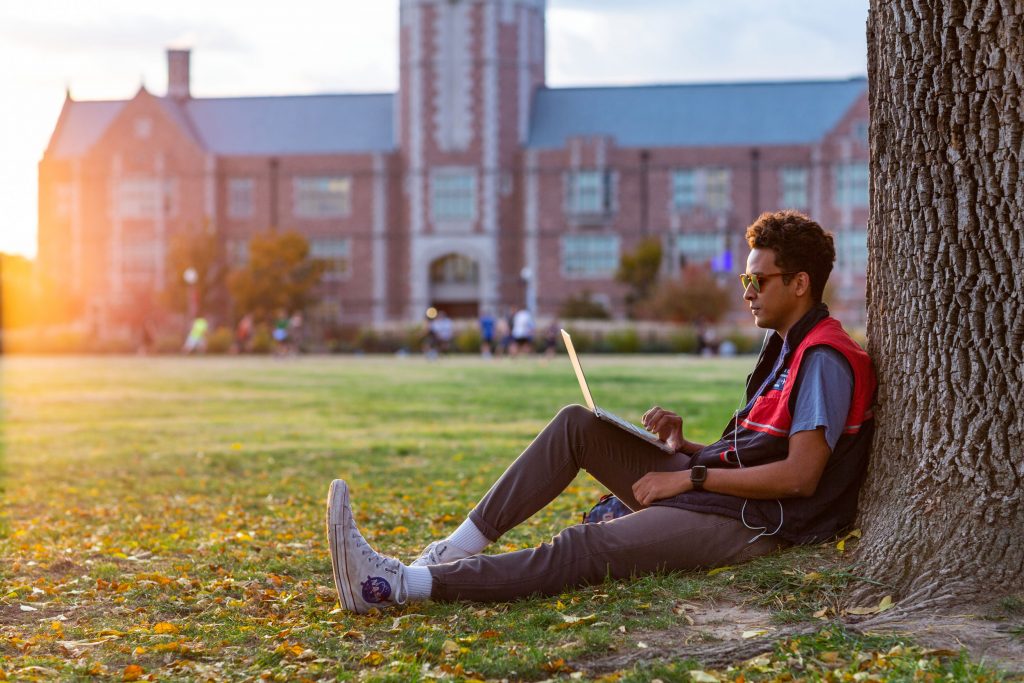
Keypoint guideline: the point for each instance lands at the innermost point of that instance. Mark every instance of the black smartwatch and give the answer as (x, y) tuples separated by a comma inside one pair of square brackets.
[(698, 475)]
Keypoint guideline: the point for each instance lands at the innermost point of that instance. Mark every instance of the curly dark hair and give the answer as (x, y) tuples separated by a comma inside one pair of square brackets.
[(800, 245)]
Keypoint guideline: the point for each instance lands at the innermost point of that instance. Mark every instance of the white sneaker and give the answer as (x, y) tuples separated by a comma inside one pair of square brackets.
[(363, 577), (439, 552)]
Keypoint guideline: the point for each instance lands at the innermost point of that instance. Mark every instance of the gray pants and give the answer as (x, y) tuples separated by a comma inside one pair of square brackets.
[(652, 539)]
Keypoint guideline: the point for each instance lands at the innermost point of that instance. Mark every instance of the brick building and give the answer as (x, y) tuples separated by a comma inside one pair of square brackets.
[(475, 186)]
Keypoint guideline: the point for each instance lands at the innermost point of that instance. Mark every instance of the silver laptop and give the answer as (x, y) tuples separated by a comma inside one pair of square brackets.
[(612, 418)]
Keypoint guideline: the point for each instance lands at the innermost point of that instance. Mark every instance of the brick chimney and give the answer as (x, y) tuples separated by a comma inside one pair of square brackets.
[(177, 73)]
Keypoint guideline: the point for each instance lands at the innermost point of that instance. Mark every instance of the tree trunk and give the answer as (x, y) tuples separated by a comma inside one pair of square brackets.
[(942, 510)]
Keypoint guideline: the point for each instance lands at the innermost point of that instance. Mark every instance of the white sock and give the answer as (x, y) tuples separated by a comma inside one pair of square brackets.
[(418, 583), (468, 538)]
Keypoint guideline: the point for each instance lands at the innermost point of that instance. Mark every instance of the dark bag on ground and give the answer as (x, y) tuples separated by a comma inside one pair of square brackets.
[(606, 509)]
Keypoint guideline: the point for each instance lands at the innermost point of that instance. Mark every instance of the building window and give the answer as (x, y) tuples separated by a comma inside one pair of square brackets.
[(143, 127), (700, 248), (793, 183), (240, 197), (322, 196), (62, 205), (453, 195), (590, 256), (851, 184), (238, 252), (454, 269), (588, 193), (852, 249), (860, 132), (144, 198), (334, 253), (139, 258), (707, 189)]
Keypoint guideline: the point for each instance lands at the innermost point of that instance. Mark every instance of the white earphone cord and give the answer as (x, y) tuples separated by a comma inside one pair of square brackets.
[(736, 450)]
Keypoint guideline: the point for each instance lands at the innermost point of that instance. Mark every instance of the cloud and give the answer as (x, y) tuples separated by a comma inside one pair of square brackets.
[(116, 34)]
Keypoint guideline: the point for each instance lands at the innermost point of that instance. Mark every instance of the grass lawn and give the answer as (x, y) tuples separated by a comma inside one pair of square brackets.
[(163, 519)]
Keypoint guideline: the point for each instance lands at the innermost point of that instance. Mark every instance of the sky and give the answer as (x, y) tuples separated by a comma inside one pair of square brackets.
[(106, 49)]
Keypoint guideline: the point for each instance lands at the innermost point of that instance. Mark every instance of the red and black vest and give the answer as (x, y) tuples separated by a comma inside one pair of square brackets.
[(759, 433)]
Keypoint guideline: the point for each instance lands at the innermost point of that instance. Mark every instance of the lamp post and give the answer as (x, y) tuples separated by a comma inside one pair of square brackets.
[(191, 277), (531, 289)]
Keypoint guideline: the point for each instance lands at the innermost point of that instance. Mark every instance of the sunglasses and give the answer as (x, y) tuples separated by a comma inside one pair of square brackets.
[(755, 279)]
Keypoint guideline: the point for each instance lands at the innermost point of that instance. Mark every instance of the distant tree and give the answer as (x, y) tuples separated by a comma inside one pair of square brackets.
[(204, 252), (583, 307), (19, 295), (638, 269), (280, 274), (695, 295)]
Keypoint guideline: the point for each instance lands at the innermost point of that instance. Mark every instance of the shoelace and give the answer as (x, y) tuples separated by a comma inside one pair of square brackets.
[(380, 561)]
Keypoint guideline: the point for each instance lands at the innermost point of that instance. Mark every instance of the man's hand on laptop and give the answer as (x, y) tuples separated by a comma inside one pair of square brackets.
[(669, 428)]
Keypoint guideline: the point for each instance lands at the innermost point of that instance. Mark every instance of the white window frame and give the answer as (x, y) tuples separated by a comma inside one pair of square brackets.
[(590, 257), (241, 198), (588, 192), (453, 195), (852, 249), (336, 254), (326, 196), (706, 188), (700, 247), (144, 197), (794, 187), (851, 183)]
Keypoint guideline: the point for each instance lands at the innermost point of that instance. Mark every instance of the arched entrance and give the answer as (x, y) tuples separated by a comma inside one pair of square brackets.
[(455, 286)]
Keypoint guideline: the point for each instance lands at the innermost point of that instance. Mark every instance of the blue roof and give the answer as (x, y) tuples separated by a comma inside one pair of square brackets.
[(694, 115), (305, 124), (82, 126)]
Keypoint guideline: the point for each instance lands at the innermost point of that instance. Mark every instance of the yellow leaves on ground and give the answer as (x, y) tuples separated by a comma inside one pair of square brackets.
[(698, 676), (372, 658), (165, 627), (132, 672), (886, 603), (569, 621), (719, 570), (841, 545)]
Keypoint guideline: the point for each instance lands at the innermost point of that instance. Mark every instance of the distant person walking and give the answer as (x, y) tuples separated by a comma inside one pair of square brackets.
[(196, 340), (444, 332), (243, 333), (522, 331), (487, 335)]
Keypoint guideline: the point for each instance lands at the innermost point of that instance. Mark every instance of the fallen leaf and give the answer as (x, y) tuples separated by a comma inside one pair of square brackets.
[(373, 658), (165, 627), (569, 621), (718, 570), (450, 647), (132, 672), (885, 604), (699, 676), (755, 633)]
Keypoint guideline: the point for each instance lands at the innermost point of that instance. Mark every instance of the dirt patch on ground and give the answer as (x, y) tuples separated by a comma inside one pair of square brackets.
[(996, 643), (727, 633)]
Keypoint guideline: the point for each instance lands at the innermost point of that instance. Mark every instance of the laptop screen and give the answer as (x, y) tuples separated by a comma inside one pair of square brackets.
[(579, 371)]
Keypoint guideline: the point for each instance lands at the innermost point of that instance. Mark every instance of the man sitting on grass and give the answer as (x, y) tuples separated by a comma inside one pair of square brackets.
[(786, 470)]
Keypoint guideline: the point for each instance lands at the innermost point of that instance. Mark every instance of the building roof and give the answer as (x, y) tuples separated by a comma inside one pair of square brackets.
[(714, 114), (305, 124), (240, 126), (81, 125), (717, 114)]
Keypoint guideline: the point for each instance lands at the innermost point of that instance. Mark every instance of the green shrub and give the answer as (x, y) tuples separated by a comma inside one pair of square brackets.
[(581, 341), (468, 340), (262, 341), (624, 341), (220, 341), (683, 341), (744, 342), (583, 307)]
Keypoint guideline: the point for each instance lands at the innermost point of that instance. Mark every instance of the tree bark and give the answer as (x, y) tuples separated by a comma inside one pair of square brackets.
[(942, 509)]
